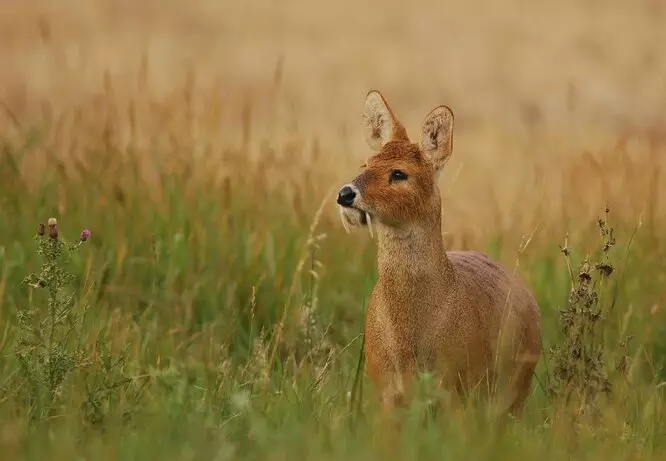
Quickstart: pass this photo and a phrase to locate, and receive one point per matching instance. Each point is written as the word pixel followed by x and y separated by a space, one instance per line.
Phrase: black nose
pixel 346 196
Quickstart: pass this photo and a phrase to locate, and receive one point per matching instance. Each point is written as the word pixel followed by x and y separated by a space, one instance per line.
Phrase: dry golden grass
pixel 543 91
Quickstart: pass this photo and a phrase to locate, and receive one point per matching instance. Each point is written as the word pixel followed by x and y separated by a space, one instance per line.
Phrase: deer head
pixel 398 185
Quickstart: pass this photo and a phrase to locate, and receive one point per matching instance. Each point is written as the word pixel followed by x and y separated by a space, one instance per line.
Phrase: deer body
pixel 457 314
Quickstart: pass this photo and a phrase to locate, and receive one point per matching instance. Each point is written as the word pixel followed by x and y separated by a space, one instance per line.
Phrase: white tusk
pixel 367 218
pixel 342 218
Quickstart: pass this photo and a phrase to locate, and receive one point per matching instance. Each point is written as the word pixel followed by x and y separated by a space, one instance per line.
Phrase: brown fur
pixel 457 313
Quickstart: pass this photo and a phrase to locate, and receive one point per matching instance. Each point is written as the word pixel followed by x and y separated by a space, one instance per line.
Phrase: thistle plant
pixel 46 353
pixel 580 367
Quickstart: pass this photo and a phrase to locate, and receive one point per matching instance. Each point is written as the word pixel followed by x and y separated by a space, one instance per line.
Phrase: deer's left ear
pixel 437 136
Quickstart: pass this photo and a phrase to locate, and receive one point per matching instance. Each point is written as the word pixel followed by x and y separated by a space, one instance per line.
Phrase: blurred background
pixel 505 63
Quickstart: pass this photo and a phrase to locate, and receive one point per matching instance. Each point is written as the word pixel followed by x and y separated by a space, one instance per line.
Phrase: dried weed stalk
pixel 580 372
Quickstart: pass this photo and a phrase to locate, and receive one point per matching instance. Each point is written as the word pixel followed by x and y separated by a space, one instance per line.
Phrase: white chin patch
pixel 352 217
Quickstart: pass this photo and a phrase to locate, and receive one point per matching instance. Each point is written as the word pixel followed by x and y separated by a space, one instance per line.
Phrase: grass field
pixel 218 304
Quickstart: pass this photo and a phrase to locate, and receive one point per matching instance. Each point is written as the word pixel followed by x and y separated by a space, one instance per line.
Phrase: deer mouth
pixel 352 216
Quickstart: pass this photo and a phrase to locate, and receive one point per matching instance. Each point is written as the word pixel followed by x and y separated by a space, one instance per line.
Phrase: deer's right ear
pixel 379 124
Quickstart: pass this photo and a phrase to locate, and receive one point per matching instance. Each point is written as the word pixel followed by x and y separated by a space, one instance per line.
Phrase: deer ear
pixel 437 136
pixel 379 124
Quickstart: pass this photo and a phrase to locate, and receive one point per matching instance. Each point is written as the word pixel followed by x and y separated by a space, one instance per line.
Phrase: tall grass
pixel 223 318
pixel 217 307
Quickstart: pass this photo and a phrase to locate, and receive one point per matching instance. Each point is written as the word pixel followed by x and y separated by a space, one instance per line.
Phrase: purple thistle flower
pixel 85 235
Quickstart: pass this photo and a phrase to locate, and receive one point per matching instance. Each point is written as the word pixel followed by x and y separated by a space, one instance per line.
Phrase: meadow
pixel 216 309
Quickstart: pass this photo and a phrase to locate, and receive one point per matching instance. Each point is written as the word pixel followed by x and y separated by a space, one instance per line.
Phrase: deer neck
pixel 413 255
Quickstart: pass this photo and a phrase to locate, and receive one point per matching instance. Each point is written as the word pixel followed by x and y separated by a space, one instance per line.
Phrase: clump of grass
pixel 310 349
pixel 109 391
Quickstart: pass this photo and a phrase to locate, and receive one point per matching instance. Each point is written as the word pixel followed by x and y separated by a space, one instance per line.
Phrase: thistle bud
pixel 41 229
pixel 53 228
pixel 85 235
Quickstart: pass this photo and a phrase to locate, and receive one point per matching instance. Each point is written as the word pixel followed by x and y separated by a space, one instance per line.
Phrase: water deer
pixel 459 315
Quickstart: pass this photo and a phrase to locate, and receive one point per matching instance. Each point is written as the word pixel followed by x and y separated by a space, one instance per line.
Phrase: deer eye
pixel 397 175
